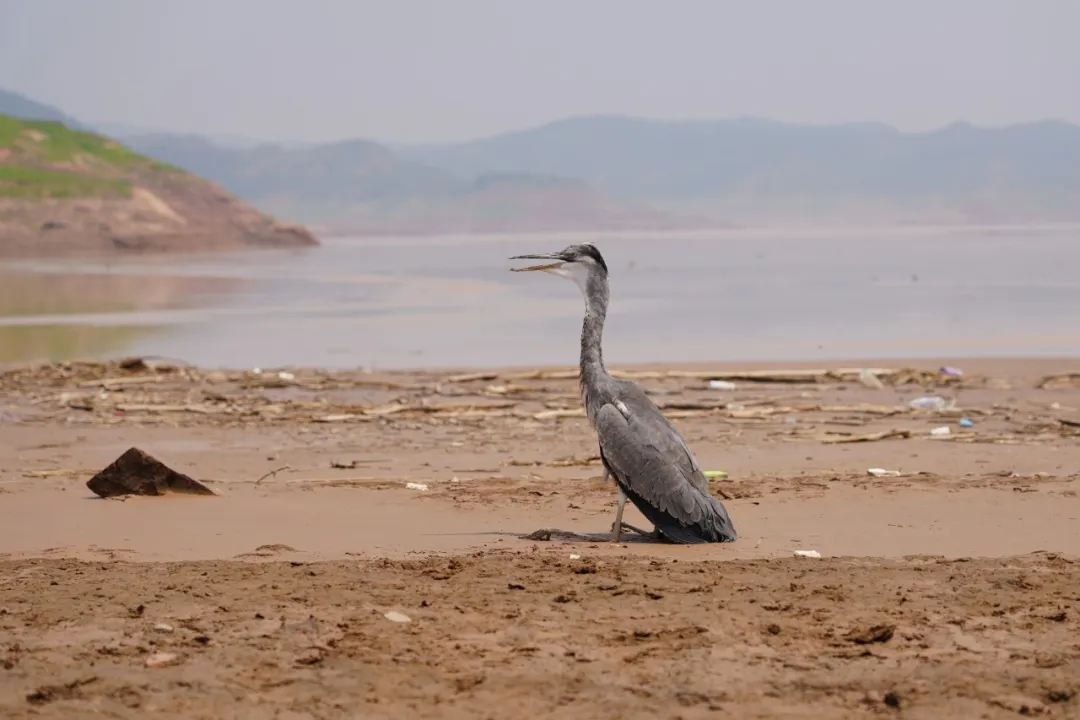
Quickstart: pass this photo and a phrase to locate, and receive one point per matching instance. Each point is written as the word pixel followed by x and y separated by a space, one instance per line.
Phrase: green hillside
pixel 65 191
pixel 46 159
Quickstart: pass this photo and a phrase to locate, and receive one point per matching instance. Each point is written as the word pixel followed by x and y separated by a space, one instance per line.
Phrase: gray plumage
pixel 639 447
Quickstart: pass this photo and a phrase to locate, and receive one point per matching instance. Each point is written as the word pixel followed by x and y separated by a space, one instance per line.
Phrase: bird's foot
pixel 616 531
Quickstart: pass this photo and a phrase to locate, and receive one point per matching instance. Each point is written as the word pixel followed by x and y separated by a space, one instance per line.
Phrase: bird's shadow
pixel 568 536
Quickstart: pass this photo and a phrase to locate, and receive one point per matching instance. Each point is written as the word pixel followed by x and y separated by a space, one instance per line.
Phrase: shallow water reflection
pixel 450 301
pixel 56 316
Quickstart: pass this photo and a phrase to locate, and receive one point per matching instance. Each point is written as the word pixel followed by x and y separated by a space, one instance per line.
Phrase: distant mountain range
pixel 679 160
pixel 20 106
pixel 751 170
pixel 616 173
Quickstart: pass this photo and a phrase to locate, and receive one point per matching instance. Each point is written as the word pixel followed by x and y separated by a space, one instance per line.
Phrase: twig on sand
pixel 272 473
pixel 470 377
pixel 51 473
pixel 886 435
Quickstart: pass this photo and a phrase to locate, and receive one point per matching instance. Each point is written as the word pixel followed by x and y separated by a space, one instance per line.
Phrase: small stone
pixel 395 616
pixel 468 682
pixel 162 659
pixel 163 628
pixel 872 634
pixel 311 656
pixel 1019 704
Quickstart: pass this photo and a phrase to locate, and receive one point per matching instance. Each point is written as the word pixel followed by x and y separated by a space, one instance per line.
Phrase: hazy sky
pixel 431 70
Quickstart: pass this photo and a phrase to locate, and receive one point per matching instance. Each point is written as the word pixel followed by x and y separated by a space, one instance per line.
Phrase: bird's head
pixel 575 262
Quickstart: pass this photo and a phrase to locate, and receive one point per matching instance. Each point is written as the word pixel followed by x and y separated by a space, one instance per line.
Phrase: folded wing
pixel 652 464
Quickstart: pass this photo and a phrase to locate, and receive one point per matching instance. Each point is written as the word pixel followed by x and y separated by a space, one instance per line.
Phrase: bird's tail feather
pixel 716 528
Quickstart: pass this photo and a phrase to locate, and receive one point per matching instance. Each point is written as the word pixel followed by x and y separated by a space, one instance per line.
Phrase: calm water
pixel 450 301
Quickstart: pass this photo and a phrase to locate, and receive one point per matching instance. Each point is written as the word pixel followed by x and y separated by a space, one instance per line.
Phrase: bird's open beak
pixel 559 262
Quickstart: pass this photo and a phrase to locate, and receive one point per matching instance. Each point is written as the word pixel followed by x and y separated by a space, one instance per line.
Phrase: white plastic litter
pixel 416 486
pixel 286 375
pixel 940 431
pixel 929 402
pixel 395 616
pixel 868 378
pixel 162 659
pixel 882 472
pixel 721 385
pixel 575 556
pixel 807 553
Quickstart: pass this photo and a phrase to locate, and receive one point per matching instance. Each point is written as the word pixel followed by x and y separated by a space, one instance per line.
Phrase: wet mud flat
pixel 365 553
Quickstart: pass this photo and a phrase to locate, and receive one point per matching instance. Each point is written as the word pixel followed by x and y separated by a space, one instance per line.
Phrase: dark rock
pixel 134 243
pixel 872 634
pixel 136 473
pixel 68 691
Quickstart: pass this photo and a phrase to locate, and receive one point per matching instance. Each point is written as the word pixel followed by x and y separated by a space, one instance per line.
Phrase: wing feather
pixel 651 460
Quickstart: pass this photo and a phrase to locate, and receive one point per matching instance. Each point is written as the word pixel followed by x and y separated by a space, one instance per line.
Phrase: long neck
pixel 592 331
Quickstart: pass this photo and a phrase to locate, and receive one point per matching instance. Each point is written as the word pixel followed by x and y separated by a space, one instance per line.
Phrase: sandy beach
pixel 947 586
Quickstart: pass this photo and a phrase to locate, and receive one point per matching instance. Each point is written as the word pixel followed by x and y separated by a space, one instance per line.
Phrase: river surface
pixel 451 302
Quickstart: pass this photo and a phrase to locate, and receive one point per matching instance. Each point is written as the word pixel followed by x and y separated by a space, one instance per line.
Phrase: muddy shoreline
pixel 946 588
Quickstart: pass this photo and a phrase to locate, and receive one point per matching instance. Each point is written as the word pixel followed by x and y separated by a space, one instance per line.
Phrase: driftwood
pixel 563 462
pixel 470 377
pixel 114 382
pixel 1061 380
pixel 200 409
pixel 111 393
pixel 871 437
pixel 556 414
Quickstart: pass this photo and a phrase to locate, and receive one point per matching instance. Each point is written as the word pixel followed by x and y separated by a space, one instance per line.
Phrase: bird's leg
pixel 617 527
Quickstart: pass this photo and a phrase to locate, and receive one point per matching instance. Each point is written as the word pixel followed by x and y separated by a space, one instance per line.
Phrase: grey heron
pixel 644 453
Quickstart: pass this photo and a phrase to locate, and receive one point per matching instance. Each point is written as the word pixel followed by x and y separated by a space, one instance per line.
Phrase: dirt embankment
pixel 164 213
pixel 67 192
